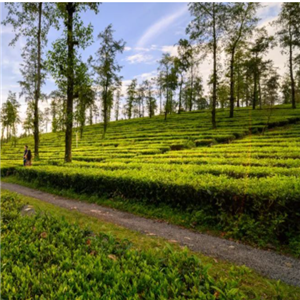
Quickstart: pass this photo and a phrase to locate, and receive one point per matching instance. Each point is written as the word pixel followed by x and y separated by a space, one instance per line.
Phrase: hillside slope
pixel 131 138
pixel 247 186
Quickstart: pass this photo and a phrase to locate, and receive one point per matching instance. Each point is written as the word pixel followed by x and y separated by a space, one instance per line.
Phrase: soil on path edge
pixel 267 263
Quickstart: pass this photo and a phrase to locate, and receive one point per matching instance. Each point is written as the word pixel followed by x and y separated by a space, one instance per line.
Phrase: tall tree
pixel 206 28
pixel 28 124
pixel 46 114
pixel 271 86
pixel 32 21
pixel 182 64
pixel 241 23
pixel 63 58
pixel 199 100
pixel 169 80
pixel 84 93
pixel 118 95
pixel 140 100
pixel 159 84
pixel 58 110
pixel 107 70
pixel 289 37
pixel 10 116
pixel 260 46
pixel 131 97
pixel 150 99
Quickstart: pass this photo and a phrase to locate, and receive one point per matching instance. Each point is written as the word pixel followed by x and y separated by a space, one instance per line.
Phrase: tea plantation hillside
pixel 242 178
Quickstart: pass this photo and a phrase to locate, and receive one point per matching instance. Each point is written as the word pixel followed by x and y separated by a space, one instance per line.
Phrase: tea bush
pixel 45 257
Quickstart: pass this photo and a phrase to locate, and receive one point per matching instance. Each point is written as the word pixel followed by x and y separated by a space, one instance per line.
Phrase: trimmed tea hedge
pixel 265 200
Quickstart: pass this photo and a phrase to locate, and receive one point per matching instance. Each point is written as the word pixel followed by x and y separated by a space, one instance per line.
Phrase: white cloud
pixel 125 84
pixel 160 26
pixel 146 76
pixel 127 48
pixel 140 58
pixel 170 49
pixel 268 9
pixel 140 78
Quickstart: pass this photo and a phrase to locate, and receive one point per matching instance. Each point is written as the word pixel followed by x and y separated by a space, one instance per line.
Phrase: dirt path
pixel 267 263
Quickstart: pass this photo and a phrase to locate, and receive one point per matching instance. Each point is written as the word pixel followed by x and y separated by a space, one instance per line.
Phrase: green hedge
pixel 271 202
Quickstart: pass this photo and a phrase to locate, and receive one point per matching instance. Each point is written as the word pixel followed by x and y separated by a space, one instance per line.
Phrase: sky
pixel 149 30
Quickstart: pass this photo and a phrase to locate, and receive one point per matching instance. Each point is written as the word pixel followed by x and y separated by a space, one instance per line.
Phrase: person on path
pixel 28 158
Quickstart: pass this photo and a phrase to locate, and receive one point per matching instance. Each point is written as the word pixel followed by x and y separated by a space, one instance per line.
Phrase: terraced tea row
pixel 139 137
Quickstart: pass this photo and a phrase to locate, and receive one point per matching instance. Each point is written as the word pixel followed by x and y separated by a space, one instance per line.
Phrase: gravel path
pixel 267 263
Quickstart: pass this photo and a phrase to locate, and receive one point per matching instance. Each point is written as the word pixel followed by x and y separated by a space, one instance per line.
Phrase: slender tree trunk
pixel 291 72
pixel 38 87
pixel 247 90
pixel 167 98
pixel 232 83
pixel 192 88
pixel 238 87
pixel 70 82
pixel 2 134
pixel 254 92
pixel 180 91
pixel 255 77
pixel 105 110
pixel 214 96
pixel 259 93
pixel 167 104
pixel 160 101
pixel 81 129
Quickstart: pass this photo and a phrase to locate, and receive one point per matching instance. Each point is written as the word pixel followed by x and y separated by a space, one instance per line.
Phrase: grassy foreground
pixel 70 256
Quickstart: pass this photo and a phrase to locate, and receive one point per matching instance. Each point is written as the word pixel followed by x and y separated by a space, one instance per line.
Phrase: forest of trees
pixel 91 91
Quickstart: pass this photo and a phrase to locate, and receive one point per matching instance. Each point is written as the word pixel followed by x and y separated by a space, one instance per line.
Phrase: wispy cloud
pixel 160 26
pixel 269 9
pixel 140 58
pixel 170 49
pixel 146 76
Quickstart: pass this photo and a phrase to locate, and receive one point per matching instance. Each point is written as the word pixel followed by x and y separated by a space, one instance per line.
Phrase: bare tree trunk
pixel 180 91
pixel 238 87
pixel 70 82
pixel 254 93
pixel 291 72
pixel 167 104
pixel 255 78
pixel 38 89
pixel 259 93
pixel 160 101
pixel 105 109
pixel 192 88
pixel 214 96
pixel 232 84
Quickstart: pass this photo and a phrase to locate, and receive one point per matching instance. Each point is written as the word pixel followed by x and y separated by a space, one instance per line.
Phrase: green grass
pixel 148 253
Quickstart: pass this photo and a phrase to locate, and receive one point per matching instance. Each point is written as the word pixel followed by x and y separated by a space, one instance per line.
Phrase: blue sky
pixel 149 30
